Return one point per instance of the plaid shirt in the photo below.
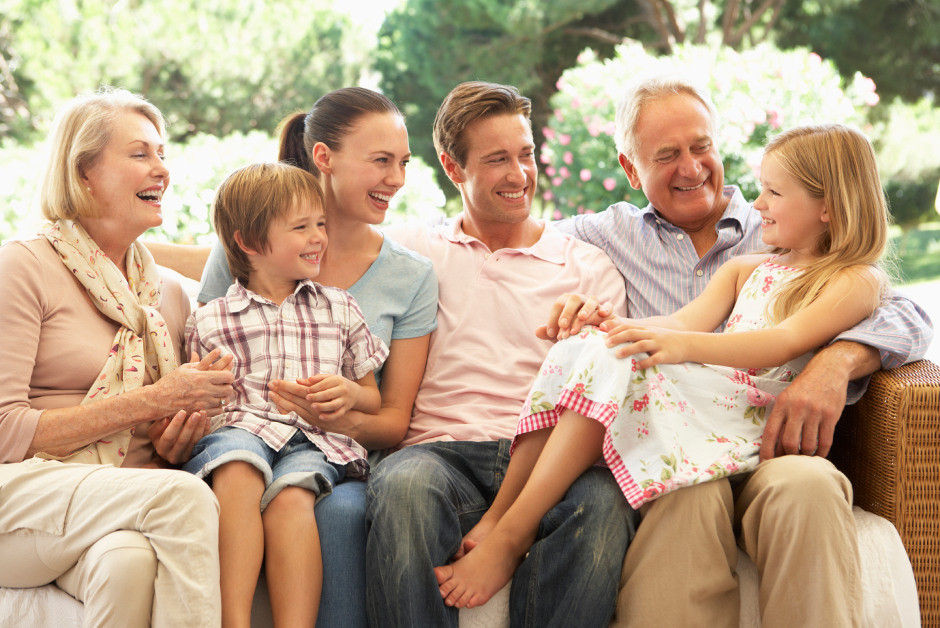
(317, 329)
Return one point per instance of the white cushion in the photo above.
(889, 591)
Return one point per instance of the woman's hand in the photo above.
(569, 313)
(174, 438)
(197, 385)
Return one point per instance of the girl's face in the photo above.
(792, 218)
(128, 179)
(368, 169)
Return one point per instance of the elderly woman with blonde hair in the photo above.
(95, 409)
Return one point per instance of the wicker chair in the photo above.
(888, 444)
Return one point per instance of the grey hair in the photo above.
(646, 89)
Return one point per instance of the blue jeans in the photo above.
(423, 499)
(341, 522)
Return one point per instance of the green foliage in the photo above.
(230, 67)
(896, 42)
(424, 51)
(196, 169)
(907, 136)
(757, 93)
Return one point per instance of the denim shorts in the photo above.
(298, 463)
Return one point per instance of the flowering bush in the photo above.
(758, 93)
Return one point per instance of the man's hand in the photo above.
(804, 416)
(569, 313)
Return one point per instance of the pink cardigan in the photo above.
(55, 342)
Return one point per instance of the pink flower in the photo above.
(550, 171)
(548, 132)
(564, 139)
(609, 184)
(758, 397)
(544, 158)
(637, 405)
(578, 388)
(585, 174)
(774, 117)
(556, 181)
(567, 157)
(556, 215)
(564, 173)
(548, 195)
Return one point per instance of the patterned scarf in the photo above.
(142, 344)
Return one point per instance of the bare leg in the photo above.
(524, 456)
(238, 487)
(571, 448)
(293, 564)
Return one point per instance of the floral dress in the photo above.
(670, 425)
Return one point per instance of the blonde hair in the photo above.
(250, 199)
(646, 90)
(834, 163)
(81, 130)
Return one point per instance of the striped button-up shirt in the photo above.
(663, 272)
(315, 330)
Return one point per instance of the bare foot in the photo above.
(480, 574)
(475, 536)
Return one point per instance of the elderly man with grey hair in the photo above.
(792, 515)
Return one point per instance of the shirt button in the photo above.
(681, 236)
(699, 272)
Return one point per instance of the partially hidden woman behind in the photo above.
(94, 407)
(355, 141)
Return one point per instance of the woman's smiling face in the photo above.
(128, 178)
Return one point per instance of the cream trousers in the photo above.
(792, 516)
(138, 547)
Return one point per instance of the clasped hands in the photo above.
(200, 389)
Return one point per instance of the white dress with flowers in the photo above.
(671, 425)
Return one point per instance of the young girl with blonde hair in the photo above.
(688, 405)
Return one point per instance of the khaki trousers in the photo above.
(792, 516)
(138, 547)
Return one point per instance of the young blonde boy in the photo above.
(279, 325)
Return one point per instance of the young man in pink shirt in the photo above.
(499, 272)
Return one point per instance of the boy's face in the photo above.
(296, 242)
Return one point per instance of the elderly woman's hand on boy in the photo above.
(197, 385)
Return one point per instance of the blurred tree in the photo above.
(229, 66)
(895, 42)
(425, 50)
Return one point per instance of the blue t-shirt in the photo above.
(397, 294)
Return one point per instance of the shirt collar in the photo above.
(737, 210)
(240, 297)
(550, 247)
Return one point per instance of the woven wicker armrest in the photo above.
(888, 444)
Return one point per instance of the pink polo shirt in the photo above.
(484, 355)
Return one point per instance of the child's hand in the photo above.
(664, 346)
(332, 395)
(292, 397)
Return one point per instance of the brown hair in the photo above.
(467, 103)
(329, 121)
(250, 199)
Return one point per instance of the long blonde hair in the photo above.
(834, 163)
